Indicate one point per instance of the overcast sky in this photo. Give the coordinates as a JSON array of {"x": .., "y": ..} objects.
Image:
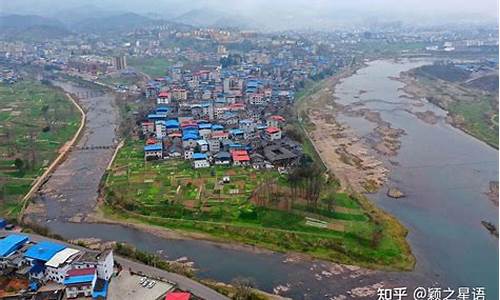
[{"x": 300, "y": 10}]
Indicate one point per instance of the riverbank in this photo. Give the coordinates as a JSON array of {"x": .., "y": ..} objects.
[
  {"x": 63, "y": 153},
  {"x": 439, "y": 168},
  {"x": 472, "y": 111},
  {"x": 38, "y": 120}
]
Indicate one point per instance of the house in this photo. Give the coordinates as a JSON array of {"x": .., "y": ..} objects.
[
  {"x": 205, "y": 129},
  {"x": 179, "y": 94},
  {"x": 220, "y": 136},
  {"x": 164, "y": 97},
  {"x": 80, "y": 282},
  {"x": 272, "y": 133},
  {"x": 147, "y": 127},
  {"x": 213, "y": 145},
  {"x": 247, "y": 125},
  {"x": 216, "y": 128},
  {"x": 240, "y": 157},
  {"x": 189, "y": 138},
  {"x": 275, "y": 121},
  {"x": 175, "y": 150},
  {"x": 279, "y": 155},
  {"x": 153, "y": 152},
  {"x": 200, "y": 161},
  {"x": 237, "y": 134},
  {"x": 172, "y": 125},
  {"x": 103, "y": 262},
  {"x": 42, "y": 252},
  {"x": 222, "y": 158},
  {"x": 38, "y": 254},
  {"x": 188, "y": 153},
  {"x": 59, "y": 264},
  {"x": 160, "y": 129},
  {"x": 203, "y": 144}
]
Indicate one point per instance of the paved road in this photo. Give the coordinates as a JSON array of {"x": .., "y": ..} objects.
[{"x": 183, "y": 282}]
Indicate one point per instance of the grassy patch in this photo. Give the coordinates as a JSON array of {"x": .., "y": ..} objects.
[
  {"x": 153, "y": 66},
  {"x": 477, "y": 119},
  {"x": 173, "y": 195},
  {"x": 36, "y": 120}
]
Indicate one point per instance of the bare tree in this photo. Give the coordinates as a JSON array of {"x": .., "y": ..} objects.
[{"x": 243, "y": 288}]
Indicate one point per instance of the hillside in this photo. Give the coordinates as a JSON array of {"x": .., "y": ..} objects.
[{"x": 31, "y": 27}]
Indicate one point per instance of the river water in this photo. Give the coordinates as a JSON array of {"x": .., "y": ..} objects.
[{"x": 445, "y": 174}]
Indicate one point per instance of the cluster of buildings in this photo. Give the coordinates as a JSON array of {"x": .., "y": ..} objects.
[
  {"x": 77, "y": 273},
  {"x": 220, "y": 117}
]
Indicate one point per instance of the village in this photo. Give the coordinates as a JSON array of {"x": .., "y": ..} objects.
[{"x": 212, "y": 117}]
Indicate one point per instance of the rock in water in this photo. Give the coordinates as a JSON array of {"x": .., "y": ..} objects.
[
  {"x": 395, "y": 193},
  {"x": 490, "y": 227}
]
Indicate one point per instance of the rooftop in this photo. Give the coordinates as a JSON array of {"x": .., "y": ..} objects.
[
  {"x": 61, "y": 257},
  {"x": 11, "y": 242},
  {"x": 43, "y": 251}
]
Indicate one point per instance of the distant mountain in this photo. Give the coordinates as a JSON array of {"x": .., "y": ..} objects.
[
  {"x": 204, "y": 17},
  {"x": 31, "y": 27},
  {"x": 76, "y": 15},
  {"x": 113, "y": 23}
]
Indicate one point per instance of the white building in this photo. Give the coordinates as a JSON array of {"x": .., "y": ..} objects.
[{"x": 57, "y": 267}]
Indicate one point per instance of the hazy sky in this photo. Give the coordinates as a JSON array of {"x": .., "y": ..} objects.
[{"x": 299, "y": 10}]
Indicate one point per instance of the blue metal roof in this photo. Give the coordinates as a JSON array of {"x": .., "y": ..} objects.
[
  {"x": 205, "y": 126},
  {"x": 155, "y": 147},
  {"x": 11, "y": 243},
  {"x": 199, "y": 156},
  {"x": 217, "y": 127},
  {"x": 79, "y": 279},
  {"x": 43, "y": 251},
  {"x": 157, "y": 116},
  {"x": 235, "y": 131},
  {"x": 190, "y": 136},
  {"x": 161, "y": 109},
  {"x": 172, "y": 123}
]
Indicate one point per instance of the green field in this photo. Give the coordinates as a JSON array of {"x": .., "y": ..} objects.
[
  {"x": 35, "y": 121},
  {"x": 171, "y": 194},
  {"x": 473, "y": 110},
  {"x": 152, "y": 66},
  {"x": 480, "y": 119}
]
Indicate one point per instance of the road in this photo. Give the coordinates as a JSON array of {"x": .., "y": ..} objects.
[{"x": 183, "y": 282}]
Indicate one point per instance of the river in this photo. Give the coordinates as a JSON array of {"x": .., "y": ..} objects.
[{"x": 444, "y": 172}]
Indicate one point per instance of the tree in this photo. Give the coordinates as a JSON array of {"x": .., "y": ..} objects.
[
  {"x": 19, "y": 163},
  {"x": 329, "y": 202},
  {"x": 243, "y": 288}
]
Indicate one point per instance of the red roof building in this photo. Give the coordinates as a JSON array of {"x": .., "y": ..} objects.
[
  {"x": 178, "y": 296},
  {"x": 278, "y": 118},
  {"x": 151, "y": 141},
  {"x": 272, "y": 130},
  {"x": 164, "y": 94},
  {"x": 240, "y": 156},
  {"x": 80, "y": 272}
]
